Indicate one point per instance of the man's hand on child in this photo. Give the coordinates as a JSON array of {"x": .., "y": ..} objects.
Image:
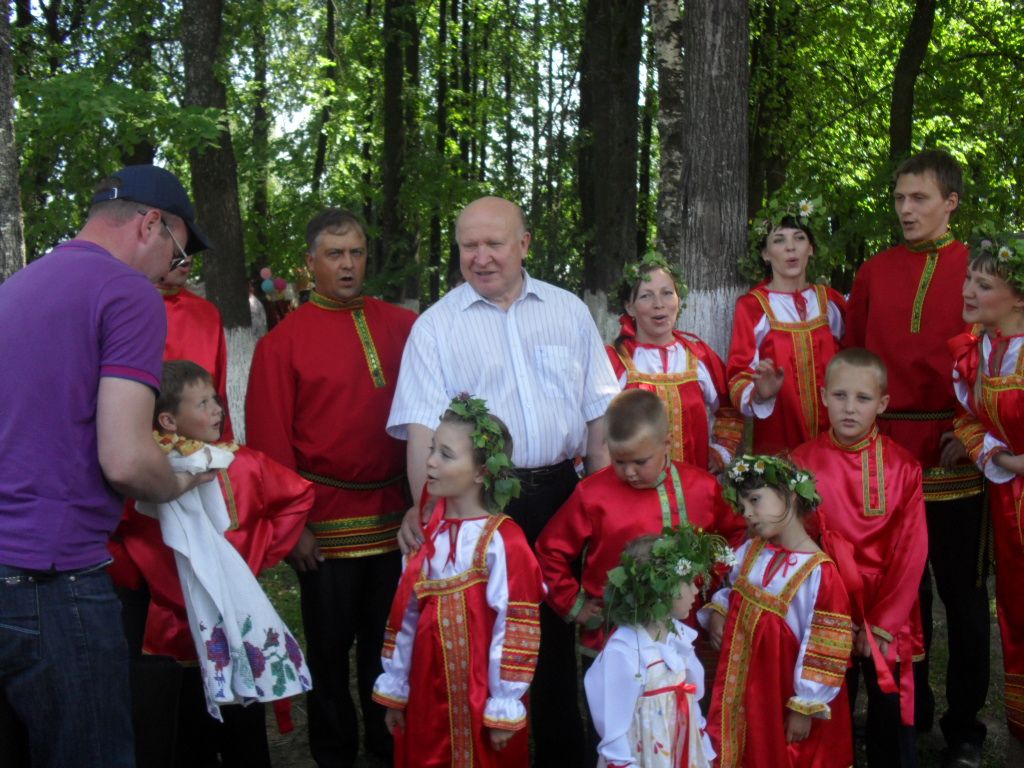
[
  {"x": 798, "y": 726},
  {"x": 952, "y": 451},
  {"x": 590, "y": 611},
  {"x": 716, "y": 627},
  {"x": 187, "y": 481},
  {"x": 499, "y": 738},
  {"x": 410, "y": 534},
  {"x": 767, "y": 380},
  {"x": 394, "y": 719},
  {"x": 306, "y": 553}
]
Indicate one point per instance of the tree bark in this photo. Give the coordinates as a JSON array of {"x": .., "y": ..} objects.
[
  {"x": 396, "y": 241},
  {"x": 643, "y": 202},
  {"x": 667, "y": 40},
  {"x": 441, "y": 136},
  {"x": 330, "y": 72},
  {"x": 214, "y": 170},
  {"x": 908, "y": 67},
  {"x": 609, "y": 92},
  {"x": 714, "y": 179},
  {"x": 260, "y": 218},
  {"x": 12, "y": 238}
]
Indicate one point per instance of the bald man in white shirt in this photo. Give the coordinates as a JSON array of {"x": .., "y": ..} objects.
[{"x": 532, "y": 351}]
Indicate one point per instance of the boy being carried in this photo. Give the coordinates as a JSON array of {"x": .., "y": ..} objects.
[
  {"x": 642, "y": 492},
  {"x": 267, "y": 506},
  {"x": 872, "y": 496}
]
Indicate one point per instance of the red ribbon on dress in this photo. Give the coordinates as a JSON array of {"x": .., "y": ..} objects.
[
  {"x": 414, "y": 565},
  {"x": 681, "y": 744},
  {"x": 781, "y": 558},
  {"x": 801, "y": 304}
]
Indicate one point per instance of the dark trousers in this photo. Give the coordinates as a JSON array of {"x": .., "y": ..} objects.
[
  {"x": 554, "y": 706},
  {"x": 890, "y": 744},
  {"x": 238, "y": 742},
  {"x": 346, "y": 601},
  {"x": 955, "y": 530}
]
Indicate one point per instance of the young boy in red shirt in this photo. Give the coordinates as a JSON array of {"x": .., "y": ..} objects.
[
  {"x": 642, "y": 492},
  {"x": 268, "y": 505},
  {"x": 872, "y": 496}
]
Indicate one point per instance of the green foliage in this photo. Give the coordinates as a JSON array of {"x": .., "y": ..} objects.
[{"x": 103, "y": 85}]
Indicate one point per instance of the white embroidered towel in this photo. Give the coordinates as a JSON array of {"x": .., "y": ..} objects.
[{"x": 246, "y": 653}]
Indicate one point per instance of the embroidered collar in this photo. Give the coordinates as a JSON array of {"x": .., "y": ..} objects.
[
  {"x": 928, "y": 246},
  {"x": 858, "y": 446},
  {"x": 172, "y": 441},
  {"x": 165, "y": 292},
  {"x": 333, "y": 305}
]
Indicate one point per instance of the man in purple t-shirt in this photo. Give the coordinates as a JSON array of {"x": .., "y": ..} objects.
[{"x": 81, "y": 337}]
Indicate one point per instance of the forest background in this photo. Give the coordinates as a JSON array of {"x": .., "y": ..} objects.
[{"x": 621, "y": 126}]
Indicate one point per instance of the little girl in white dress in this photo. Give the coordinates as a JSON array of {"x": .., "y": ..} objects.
[{"x": 643, "y": 689}]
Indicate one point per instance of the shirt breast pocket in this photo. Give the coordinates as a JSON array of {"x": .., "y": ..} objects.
[{"x": 557, "y": 370}]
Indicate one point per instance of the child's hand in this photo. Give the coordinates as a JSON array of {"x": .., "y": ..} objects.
[
  {"x": 591, "y": 611},
  {"x": 715, "y": 461},
  {"x": 394, "y": 719},
  {"x": 798, "y": 726},
  {"x": 862, "y": 647},
  {"x": 1010, "y": 463},
  {"x": 499, "y": 738},
  {"x": 767, "y": 380},
  {"x": 716, "y": 627}
]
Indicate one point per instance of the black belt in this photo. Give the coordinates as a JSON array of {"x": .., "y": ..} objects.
[
  {"x": 540, "y": 474},
  {"x": 41, "y": 577}
]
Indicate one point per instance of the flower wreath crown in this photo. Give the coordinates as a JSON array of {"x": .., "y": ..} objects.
[
  {"x": 487, "y": 434},
  {"x": 636, "y": 272},
  {"x": 772, "y": 471},
  {"x": 1008, "y": 250},
  {"x": 807, "y": 209},
  {"x": 638, "y": 592}
]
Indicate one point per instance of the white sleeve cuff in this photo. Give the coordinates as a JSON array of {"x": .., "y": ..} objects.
[{"x": 507, "y": 714}]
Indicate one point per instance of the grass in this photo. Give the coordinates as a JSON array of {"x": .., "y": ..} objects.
[{"x": 292, "y": 751}]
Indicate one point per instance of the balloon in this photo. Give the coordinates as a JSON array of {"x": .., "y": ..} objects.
[
  {"x": 279, "y": 283},
  {"x": 267, "y": 285},
  {"x": 265, "y": 273}
]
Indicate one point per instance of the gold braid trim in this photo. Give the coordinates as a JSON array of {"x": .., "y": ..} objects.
[
  {"x": 922, "y": 290},
  {"x": 372, "y": 358},
  {"x": 351, "y": 485}
]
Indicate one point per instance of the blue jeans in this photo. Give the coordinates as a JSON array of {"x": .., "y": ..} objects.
[{"x": 64, "y": 666}]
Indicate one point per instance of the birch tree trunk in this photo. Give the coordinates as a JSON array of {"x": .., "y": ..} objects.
[{"x": 713, "y": 231}]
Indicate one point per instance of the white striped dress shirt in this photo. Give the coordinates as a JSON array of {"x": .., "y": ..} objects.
[{"x": 540, "y": 366}]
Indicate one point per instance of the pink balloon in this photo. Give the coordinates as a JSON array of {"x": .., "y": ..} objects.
[
  {"x": 265, "y": 273},
  {"x": 280, "y": 283}
]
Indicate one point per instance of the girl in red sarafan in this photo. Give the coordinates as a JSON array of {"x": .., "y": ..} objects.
[
  {"x": 988, "y": 378},
  {"x": 461, "y": 641},
  {"x": 785, "y": 632}
]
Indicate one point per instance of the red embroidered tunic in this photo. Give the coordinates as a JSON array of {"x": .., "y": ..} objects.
[
  {"x": 460, "y": 655},
  {"x": 604, "y": 514},
  {"x": 268, "y": 505},
  {"x": 800, "y": 332},
  {"x": 872, "y": 496},
  {"x": 320, "y": 391},
  {"x": 690, "y": 379},
  {"x": 195, "y": 332},
  {"x": 992, "y": 392},
  {"x": 786, "y": 645},
  {"x": 905, "y": 304}
]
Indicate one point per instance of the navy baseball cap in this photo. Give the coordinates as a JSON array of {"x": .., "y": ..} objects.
[{"x": 157, "y": 188}]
